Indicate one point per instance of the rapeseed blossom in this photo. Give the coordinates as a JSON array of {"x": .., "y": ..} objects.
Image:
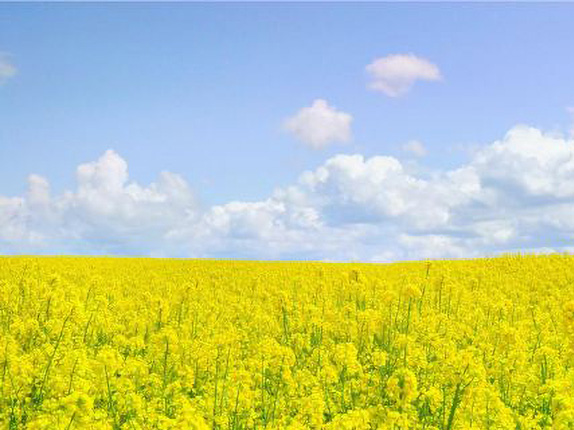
[{"x": 112, "y": 344}]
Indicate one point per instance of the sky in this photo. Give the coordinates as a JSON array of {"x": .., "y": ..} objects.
[{"x": 324, "y": 131}]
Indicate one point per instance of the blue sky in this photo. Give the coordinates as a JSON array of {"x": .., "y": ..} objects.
[{"x": 205, "y": 91}]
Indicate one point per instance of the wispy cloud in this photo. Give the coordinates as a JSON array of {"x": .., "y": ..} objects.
[
  {"x": 415, "y": 148},
  {"x": 7, "y": 68}
]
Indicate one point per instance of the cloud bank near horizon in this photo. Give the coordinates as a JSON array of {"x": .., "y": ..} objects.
[{"x": 516, "y": 193}]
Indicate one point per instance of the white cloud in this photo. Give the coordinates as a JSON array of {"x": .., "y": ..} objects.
[
  {"x": 528, "y": 164},
  {"x": 105, "y": 213},
  {"x": 435, "y": 246},
  {"x": 13, "y": 228},
  {"x": 352, "y": 189},
  {"x": 373, "y": 209},
  {"x": 320, "y": 125},
  {"x": 7, "y": 69},
  {"x": 395, "y": 75},
  {"x": 515, "y": 193},
  {"x": 415, "y": 148}
]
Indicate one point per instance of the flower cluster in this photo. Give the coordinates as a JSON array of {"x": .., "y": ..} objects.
[{"x": 103, "y": 343}]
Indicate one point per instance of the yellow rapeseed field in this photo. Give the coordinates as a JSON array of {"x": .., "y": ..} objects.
[{"x": 104, "y": 343}]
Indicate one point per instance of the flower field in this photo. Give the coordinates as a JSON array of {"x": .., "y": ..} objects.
[{"x": 104, "y": 343}]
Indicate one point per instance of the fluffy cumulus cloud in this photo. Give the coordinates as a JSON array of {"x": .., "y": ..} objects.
[
  {"x": 394, "y": 75},
  {"x": 106, "y": 213},
  {"x": 320, "y": 125},
  {"x": 7, "y": 68},
  {"x": 513, "y": 194}
]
